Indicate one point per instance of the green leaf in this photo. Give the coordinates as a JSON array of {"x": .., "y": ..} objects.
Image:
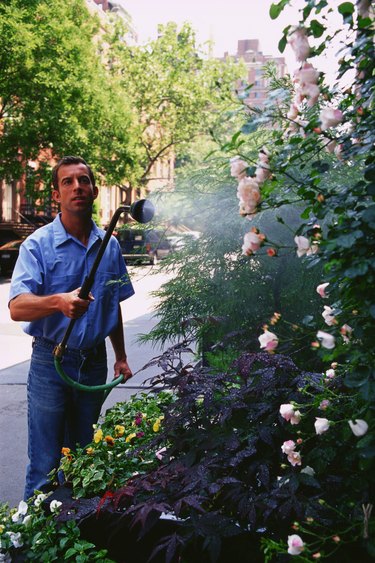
[
  {"x": 317, "y": 28},
  {"x": 346, "y": 8},
  {"x": 275, "y": 11},
  {"x": 282, "y": 44}
]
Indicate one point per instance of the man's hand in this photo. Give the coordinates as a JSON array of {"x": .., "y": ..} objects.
[
  {"x": 73, "y": 306},
  {"x": 121, "y": 368}
]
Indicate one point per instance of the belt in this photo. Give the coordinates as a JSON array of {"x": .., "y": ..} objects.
[{"x": 50, "y": 345}]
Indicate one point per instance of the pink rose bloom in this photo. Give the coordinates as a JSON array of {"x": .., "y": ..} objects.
[
  {"x": 248, "y": 208},
  {"x": 262, "y": 174},
  {"x": 251, "y": 243},
  {"x": 294, "y": 458},
  {"x": 295, "y": 545},
  {"x": 321, "y": 425},
  {"x": 296, "y": 418},
  {"x": 327, "y": 340},
  {"x": 359, "y": 427},
  {"x": 288, "y": 447},
  {"x": 237, "y": 167},
  {"x": 346, "y": 332},
  {"x": 299, "y": 43},
  {"x": 311, "y": 92},
  {"x": 293, "y": 112},
  {"x": 321, "y": 290},
  {"x": 307, "y": 74},
  {"x": 159, "y": 453},
  {"x": 268, "y": 341},
  {"x": 330, "y": 373},
  {"x": 304, "y": 247},
  {"x": 329, "y": 117},
  {"x": 248, "y": 189},
  {"x": 286, "y": 411},
  {"x": 324, "y": 404},
  {"x": 328, "y": 316}
]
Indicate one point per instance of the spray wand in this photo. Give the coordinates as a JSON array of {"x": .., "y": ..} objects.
[{"x": 142, "y": 211}]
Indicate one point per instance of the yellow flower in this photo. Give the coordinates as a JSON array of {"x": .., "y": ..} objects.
[
  {"x": 156, "y": 426},
  {"x": 65, "y": 451},
  {"x": 98, "y": 436},
  {"x": 110, "y": 441},
  {"x": 2, "y": 528},
  {"x": 130, "y": 437},
  {"x": 119, "y": 430},
  {"x": 90, "y": 451}
]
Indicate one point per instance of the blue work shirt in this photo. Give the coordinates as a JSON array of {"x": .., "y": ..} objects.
[{"x": 53, "y": 261}]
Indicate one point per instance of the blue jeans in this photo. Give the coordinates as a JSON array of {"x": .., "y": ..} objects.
[{"x": 58, "y": 415}]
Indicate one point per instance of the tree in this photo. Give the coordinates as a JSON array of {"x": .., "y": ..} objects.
[
  {"x": 56, "y": 94},
  {"x": 176, "y": 92}
]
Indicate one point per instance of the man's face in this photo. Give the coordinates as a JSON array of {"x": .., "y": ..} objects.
[{"x": 76, "y": 192}]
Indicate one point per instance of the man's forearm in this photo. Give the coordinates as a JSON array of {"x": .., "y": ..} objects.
[
  {"x": 30, "y": 307},
  {"x": 117, "y": 339}
]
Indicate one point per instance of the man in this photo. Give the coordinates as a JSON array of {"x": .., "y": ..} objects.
[{"x": 50, "y": 270}]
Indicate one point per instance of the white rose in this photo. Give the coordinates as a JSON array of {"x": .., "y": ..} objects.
[{"x": 359, "y": 427}]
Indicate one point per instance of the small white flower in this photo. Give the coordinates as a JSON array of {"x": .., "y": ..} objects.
[
  {"x": 296, "y": 418},
  {"x": 321, "y": 289},
  {"x": 55, "y": 505},
  {"x": 328, "y": 341},
  {"x": 39, "y": 499},
  {"x": 22, "y": 509},
  {"x": 268, "y": 340},
  {"x": 321, "y": 425},
  {"x": 330, "y": 373},
  {"x": 295, "y": 545},
  {"x": 27, "y": 520},
  {"x": 15, "y": 538},
  {"x": 359, "y": 427},
  {"x": 328, "y": 316}
]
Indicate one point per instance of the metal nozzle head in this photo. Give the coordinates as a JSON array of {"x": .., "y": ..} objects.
[{"x": 142, "y": 210}]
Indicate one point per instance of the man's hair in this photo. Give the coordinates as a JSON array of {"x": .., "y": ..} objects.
[{"x": 70, "y": 160}]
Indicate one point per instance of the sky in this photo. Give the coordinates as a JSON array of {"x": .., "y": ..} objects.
[{"x": 222, "y": 21}]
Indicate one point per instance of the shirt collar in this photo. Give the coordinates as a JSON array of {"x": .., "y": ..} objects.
[{"x": 61, "y": 235}]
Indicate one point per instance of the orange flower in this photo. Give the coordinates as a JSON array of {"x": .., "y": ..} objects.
[
  {"x": 65, "y": 451},
  {"x": 90, "y": 451},
  {"x": 271, "y": 252},
  {"x": 110, "y": 441}
]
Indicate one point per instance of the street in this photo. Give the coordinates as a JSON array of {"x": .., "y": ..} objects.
[{"x": 14, "y": 363}]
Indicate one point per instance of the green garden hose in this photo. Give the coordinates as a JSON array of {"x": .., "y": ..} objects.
[{"x": 92, "y": 388}]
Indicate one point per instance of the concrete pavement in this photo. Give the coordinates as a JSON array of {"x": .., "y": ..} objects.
[{"x": 15, "y": 355}]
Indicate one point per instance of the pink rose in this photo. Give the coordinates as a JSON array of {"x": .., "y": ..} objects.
[
  {"x": 248, "y": 189},
  {"x": 329, "y": 117},
  {"x": 346, "y": 332},
  {"x": 237, "y": 167},
  {"x": 251, "y": 243},
  {"x": 286, "y": 411},
  {"x": 262, "y": 174},
  {"x": 359, "y": 427},
  {"x": 293, "y": 112},
  {"x": 304, "y": 247},
  {"x": 328, "y": 316},
  {"x": 296, "y": 418},
  {"x": 268, "y": 341},
  {"x": 307, "y": 74},
  {"x": 321, "y": 290},
  {"x": 295, "y": 545},
  {"x": 288, "y": 447},
  {"x": 327, "y": 340},
  {"x": 330, "y": 373},
  {"x": 299, "y": 43},
  {"x": 294, "y": 458},
  {"x": 324, "y": 404},
  {"x": 321, "y": 425}
]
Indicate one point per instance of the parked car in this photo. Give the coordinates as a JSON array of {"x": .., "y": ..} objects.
[
  {"x": 8, "y": 256},
  {"x": 143, "y": 245}
]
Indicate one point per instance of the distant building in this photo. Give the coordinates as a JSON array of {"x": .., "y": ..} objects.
[{"x": 248, "y": 50}]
